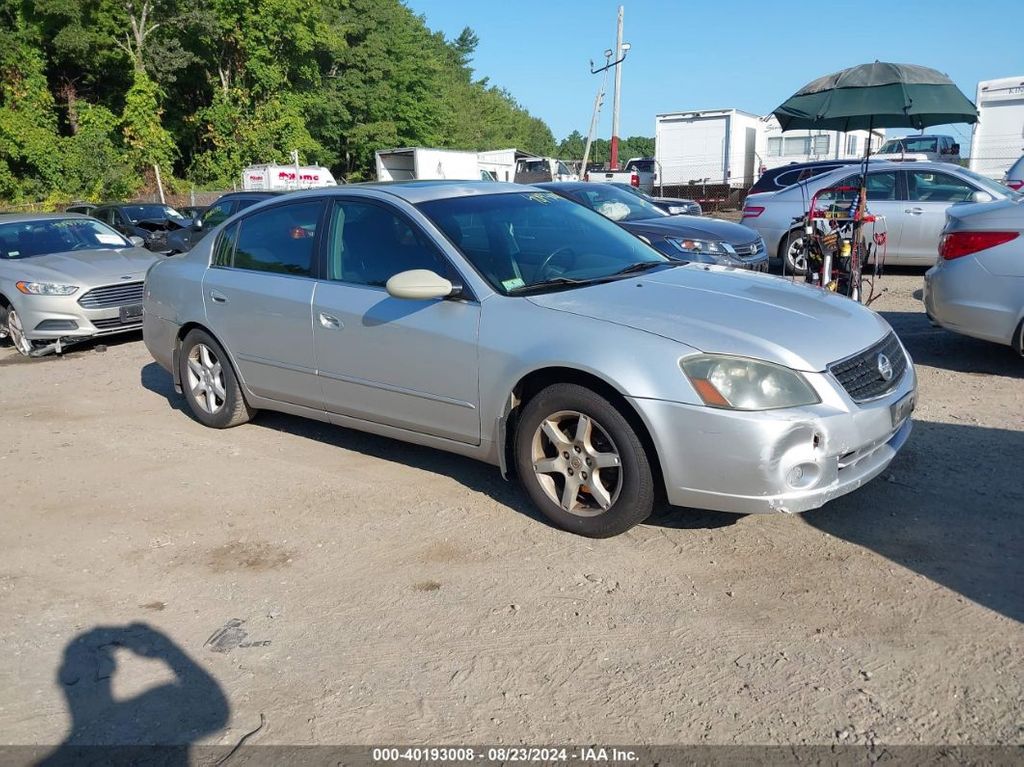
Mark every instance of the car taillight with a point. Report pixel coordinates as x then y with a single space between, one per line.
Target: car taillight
752 211
1016 185
634 179
958 244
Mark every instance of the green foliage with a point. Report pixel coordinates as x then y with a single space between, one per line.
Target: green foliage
573 146
95 92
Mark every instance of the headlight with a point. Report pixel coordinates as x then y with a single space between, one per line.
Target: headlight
711 247
737 383
46 289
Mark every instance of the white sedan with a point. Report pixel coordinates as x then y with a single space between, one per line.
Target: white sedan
910 197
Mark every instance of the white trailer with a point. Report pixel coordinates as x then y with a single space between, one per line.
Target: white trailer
998 138
501 163
711 146
421 163
281 178
776 147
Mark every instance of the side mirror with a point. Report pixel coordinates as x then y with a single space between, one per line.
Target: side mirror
197 223
955 149
982 197
419 285
137 241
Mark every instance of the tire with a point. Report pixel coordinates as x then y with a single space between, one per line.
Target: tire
791 264
1018 344
619 495
14 332
209 382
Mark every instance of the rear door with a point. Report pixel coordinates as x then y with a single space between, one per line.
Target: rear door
258 292
885 203
929 194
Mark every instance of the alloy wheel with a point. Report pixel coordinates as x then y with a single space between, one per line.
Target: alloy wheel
797 255
206 378
576 463
17 333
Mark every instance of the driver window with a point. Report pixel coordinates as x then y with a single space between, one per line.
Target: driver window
369 244
929 186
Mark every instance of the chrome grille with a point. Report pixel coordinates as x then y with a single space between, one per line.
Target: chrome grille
750 249
124 294
860 374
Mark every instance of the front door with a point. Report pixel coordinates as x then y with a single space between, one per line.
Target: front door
399 362
929 195
884 203
258 293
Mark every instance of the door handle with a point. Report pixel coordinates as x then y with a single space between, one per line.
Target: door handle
914 211
330 321
218 297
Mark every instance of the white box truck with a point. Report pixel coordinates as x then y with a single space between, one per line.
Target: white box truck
281 178
421 163
710 146
998 138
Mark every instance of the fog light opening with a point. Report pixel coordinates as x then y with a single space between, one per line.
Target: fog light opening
802 475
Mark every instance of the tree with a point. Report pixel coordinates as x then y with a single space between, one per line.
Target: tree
146 141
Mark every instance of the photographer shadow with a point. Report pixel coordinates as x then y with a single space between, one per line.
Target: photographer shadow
155 727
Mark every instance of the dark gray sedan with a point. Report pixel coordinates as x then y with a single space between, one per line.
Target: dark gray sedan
681 238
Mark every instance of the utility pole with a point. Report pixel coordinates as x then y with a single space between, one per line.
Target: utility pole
595 115
618 94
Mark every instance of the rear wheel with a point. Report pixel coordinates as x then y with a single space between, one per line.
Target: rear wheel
209 382
582 463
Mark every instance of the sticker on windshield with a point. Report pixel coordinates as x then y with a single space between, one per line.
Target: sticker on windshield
108 239
515 282
542 197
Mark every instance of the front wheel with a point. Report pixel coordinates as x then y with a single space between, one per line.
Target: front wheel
15 331
582 463
209 382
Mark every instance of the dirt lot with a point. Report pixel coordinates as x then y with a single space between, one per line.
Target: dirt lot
382 592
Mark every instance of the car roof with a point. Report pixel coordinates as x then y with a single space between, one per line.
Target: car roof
18 218
568 185
415 192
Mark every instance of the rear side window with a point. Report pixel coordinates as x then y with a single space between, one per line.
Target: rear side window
224 254
281 239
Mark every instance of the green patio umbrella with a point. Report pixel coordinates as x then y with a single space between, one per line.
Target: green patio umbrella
869 96
879 95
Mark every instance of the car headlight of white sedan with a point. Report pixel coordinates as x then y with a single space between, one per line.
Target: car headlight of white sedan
46 289
738 383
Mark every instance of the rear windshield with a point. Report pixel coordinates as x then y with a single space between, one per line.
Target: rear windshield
24 239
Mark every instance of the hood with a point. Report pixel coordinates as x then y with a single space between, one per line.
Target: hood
731 311
695 227
86 268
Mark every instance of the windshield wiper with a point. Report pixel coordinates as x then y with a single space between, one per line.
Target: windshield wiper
554 282
641 266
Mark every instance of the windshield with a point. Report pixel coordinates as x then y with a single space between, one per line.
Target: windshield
910 144
618 204
137 213
991 186
24 239
523 239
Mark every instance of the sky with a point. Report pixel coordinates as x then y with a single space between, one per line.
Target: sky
707 54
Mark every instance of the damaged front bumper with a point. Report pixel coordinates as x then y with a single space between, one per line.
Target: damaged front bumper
790 460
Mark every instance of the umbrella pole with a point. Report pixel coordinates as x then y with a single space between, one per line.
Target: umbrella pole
858 222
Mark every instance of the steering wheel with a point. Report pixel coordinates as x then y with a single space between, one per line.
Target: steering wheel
542 269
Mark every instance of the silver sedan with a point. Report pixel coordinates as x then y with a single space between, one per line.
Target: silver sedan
977 286
911 199
65 278
508 324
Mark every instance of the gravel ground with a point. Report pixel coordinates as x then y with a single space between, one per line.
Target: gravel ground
163 581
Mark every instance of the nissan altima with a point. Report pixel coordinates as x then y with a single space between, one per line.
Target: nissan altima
511 325
65 278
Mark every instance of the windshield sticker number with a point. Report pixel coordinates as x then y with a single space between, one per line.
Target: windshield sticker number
108 239
515 282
